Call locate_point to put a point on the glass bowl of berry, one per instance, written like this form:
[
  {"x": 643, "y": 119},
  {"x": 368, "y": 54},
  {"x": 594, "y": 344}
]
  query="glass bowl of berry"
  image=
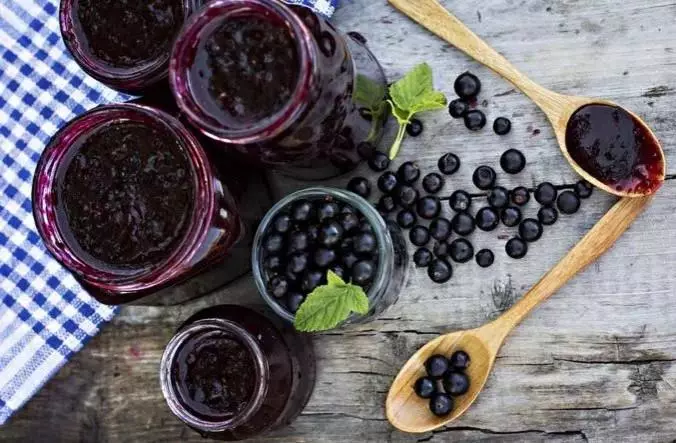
[{"x": 321, "y": 232}]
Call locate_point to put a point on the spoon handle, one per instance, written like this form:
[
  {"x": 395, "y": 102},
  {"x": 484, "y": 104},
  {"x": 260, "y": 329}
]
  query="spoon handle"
[
  {"x": 436, "y": 18},
  {"x": 597, "y": 241}
]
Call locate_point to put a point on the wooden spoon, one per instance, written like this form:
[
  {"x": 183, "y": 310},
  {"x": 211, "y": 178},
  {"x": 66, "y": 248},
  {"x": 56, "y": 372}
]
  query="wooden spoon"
[
  {"x": 558, "y": 108},
  {"x": 410, "y": 413}
]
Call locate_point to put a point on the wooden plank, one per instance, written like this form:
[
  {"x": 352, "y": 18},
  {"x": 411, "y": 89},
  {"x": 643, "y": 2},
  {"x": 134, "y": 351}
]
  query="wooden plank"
[{"x": 595, "y": 363}]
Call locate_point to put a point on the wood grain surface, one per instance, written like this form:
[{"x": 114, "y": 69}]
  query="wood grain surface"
[{"x": 594, "y": 363}]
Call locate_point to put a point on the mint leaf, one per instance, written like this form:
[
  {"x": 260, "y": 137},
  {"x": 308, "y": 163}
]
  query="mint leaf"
[
  {"x": 407, "y": 91},
  {"x": 368, "y": 93},
  {"x": 412, "y": 94},
  {"x": 330, "y": 305}
]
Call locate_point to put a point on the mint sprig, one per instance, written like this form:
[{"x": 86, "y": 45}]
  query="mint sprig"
[
  {"x": 410, "y": 95},
  {"x": 328, "y": 306},
  {"x": 371, "y": 95}
]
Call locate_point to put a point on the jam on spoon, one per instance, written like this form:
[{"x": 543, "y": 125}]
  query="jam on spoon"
[{"x": 614, "y": 147}]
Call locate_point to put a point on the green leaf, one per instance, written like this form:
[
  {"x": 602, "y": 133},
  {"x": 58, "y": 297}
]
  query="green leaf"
[
  {"x": 407, "y": 91},
  {"x": 330, "y": 305},
  {"x": 430, "y": 101},
  {"x": 368, "y": 93},
  {"x": 401, "y": 115}
]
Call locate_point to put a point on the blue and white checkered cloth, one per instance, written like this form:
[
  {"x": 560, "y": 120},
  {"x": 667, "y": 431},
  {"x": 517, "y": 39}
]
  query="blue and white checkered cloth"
[{"x": 45, "y": 317}]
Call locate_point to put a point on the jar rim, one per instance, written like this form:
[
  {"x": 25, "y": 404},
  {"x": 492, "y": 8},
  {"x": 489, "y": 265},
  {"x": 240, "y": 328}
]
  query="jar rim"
[
  {"x": 131, "y": 79},
  {"x": 45, "y": 204},
  {"x": 167, "y": 384},
  {"x": 183, "y": 57},
  {"x": 380, "y": 230}
]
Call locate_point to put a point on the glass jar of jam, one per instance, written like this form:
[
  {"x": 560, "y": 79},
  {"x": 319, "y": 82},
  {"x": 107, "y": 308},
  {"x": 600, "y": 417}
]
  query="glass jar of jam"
[
  {"x": 388, "y": 253},
  {"x": 125, "y": 45},
  {"x": 232, "y": 373},
  {"x": 126, "y": 198},
  {"x": 277, "y": 83}
]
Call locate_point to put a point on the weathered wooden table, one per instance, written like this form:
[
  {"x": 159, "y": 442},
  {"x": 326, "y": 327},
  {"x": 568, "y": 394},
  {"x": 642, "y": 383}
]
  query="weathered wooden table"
[{"x": 594, "y": 363}]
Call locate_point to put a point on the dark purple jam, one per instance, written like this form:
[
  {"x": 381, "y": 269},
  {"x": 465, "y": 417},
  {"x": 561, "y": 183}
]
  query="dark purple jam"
[
  {"x": 245, "y": 71},
  {"x": 615, "y": 148},
  {"x": 124, "y": 33},
  {"x": 126, "y": 195},
  {"x": 215, "y": 376}
]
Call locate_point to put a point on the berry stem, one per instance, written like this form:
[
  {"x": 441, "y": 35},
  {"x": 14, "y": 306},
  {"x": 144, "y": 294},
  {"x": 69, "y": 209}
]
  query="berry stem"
[{"x": 396, "y": 146}]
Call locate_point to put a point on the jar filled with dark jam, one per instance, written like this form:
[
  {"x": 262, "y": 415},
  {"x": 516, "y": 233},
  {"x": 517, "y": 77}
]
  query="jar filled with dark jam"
[
  {"x": 232, "y": 373},
  {"x": 126, "y": 198},
  {"x": 277, "y": 83},
  {"x": 125, "y": 44}
]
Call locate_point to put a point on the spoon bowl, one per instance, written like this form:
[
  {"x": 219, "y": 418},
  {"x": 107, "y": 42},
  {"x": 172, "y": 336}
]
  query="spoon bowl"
[
  {"x": 559, "y": 108},
  {"x": 409, "y": 413}
]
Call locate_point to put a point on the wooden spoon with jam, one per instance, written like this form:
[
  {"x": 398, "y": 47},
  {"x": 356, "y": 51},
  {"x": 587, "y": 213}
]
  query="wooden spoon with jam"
[{"x": 610, "y": 147}]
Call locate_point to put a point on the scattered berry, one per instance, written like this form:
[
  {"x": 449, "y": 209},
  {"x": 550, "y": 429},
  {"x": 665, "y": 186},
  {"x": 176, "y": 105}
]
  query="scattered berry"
[
  {"x": 568, "y": 202},
  {"x": 408, "y": 173},
  {"x": 456, "y": 383},
  {"x": 502, "y": 126},
  {"x": 467, "y": 86},
  {"x": 460, "y": 201},
  {"x": 406, "y": 196},
  {"x": 458, "y": 108},
  {"x": 440, "y": 229},
  {"x": 516, "y": 248},
  {"x": 584, "y": 189},
  {"x": 414, "y": 128},
  {"x": 475, "y": 120},
  {"x": 449, "y": 164},
  {"x": 530, "y": 230},
  {"x": 463, "y": 224},
  {"x": 441, "y": 404},
  {"x": 487, "y": 219},
  {"x": 436, "y": 366},
  {"x": 419, "y": 235},
  {"x": 387, "y": 182},
  {"x": 406, "y": 218},
  {"x": 512, "y": 161},
  {"x": 432, "y": 183},
  {"x": 441, "y": 250},
  {"x": 511, "y": 216},
  {"x": 425, "y": 387},
  {"x": 498, "y": 197},
  {"x": 360, "y": 186},
  {"x": 386, "y": 204},
  {"x": 428, "y": 207},
  {"x": 422, "y": 257},
  {"x": 545, "y": 194},
  {"x": 520, "y": 196},
  {"x": 379, "y": 161},
  {"x": 548, "y": 215},
  {"x": 485, "y": 258},
  {"x": 459, "y": 361},
  {"x": 484, "y": 177},
  {"x": 440, "y": 271},
  {"x": 462, "y": 250}
]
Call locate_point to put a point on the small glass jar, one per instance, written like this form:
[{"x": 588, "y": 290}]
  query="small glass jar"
[
  {"x": 314, "y": 133},
  {"x": 392, "y": 253},
  {"x": 212, "y": 226},
  {"x": 114, "y": 45},
  {"x": 232, "y": 373}
]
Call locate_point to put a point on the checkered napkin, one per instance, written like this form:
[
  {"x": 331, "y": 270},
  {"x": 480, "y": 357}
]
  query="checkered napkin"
[{"x": 45, "y": 317}]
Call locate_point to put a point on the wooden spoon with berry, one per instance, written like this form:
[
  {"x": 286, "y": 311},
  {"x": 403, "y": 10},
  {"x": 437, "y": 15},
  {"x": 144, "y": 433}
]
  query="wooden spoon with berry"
[
  {"x": 609, "y": 146},
  {"x": 411, "y": 405}
]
